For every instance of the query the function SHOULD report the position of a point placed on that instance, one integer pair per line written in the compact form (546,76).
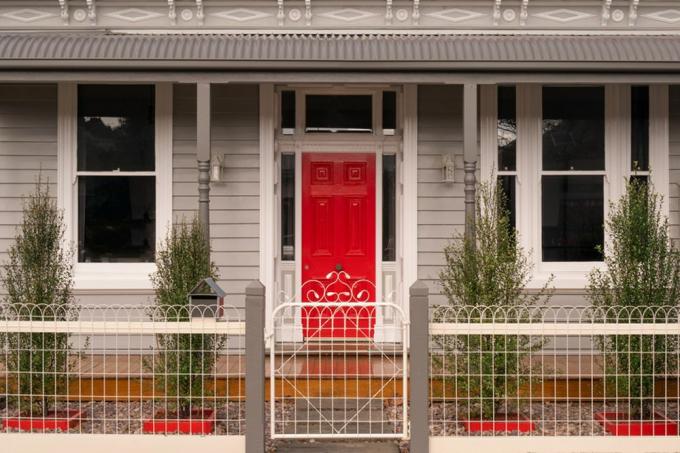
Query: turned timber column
(470,153)
(203,156)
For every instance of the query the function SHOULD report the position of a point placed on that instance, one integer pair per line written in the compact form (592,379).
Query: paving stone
(338,447)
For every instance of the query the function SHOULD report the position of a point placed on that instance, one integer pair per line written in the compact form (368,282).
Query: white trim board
(131,443)
(557,444)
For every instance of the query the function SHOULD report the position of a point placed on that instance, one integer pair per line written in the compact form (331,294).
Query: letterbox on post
(206,300)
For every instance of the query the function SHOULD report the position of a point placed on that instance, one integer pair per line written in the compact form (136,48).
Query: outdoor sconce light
(448,168)
(216,167)
(206,300)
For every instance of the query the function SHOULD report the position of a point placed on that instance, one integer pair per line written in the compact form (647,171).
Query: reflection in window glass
(288,207)
(389,219)
(339,113)
(572,218)
(116,128)
(507,129)
(573,128)
(507,185)
(116,218)
(639,140)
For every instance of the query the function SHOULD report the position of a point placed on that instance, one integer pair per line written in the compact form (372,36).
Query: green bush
(640,283)
(182,361)
(484,279)
(38,278)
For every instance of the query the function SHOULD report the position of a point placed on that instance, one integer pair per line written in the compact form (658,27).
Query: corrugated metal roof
(425,51)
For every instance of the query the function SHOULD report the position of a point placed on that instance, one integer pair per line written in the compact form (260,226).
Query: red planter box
(504,423)
(202,421)
(620,424)
(53,421)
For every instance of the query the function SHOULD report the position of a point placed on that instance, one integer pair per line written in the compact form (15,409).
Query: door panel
(338,242)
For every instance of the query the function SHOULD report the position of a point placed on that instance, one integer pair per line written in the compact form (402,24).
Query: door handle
(338,267)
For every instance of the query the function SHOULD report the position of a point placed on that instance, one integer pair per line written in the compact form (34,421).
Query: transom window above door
(562,154)
(361,112)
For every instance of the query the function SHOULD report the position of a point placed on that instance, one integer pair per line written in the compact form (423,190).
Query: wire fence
(122,370)
(554,371)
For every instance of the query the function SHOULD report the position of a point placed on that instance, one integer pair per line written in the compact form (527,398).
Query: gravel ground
(552,419)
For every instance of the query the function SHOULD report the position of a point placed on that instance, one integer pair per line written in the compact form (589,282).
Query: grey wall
(440,205)
(234,203)
(28,146)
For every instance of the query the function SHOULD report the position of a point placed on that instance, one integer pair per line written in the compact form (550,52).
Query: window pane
(389,215)
(288,111)
(389,110)
(507,129)
(641,179)
(288,207)
(639,140)
(573,128)
(116,218)
(339,113)
(508,186)
(116,128)
(573,218)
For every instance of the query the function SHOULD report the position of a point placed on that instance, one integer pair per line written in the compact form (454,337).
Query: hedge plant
(484,280)
(38,280)
(182,361)
(639,283)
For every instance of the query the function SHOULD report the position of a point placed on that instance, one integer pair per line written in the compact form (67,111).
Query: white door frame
(280,276)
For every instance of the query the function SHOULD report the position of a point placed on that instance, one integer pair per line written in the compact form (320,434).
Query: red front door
(338,243)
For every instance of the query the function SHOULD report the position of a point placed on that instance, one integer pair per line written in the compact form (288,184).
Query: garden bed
(552,419)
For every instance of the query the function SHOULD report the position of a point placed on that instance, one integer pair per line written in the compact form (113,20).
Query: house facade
(325,136)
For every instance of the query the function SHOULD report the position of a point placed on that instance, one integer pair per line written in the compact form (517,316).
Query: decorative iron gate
(337,369)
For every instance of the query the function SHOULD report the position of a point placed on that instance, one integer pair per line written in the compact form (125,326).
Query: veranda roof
(316,51)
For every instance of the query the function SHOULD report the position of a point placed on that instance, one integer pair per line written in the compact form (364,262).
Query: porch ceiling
(97,50)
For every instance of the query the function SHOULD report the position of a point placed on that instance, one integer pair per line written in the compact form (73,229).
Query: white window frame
(571,275)
(112,276)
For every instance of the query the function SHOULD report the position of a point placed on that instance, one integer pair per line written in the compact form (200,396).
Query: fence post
(255,421)
(419,367)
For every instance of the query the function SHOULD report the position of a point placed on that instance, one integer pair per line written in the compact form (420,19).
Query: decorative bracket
(416,11)
(281,13)
(606,11)
(91,11)
(200,15)
(63,6)
(308,12)
(172,13)
(633,12)
(388,12)
(524,13)
(497,12)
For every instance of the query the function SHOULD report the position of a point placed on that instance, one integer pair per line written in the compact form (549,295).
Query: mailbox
(206,300)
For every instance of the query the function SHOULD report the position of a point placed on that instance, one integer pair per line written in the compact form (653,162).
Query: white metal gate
(349,384)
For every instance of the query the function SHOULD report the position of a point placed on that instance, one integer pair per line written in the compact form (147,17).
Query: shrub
(484,279)
(38,280)
(639,284)
(182,361)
